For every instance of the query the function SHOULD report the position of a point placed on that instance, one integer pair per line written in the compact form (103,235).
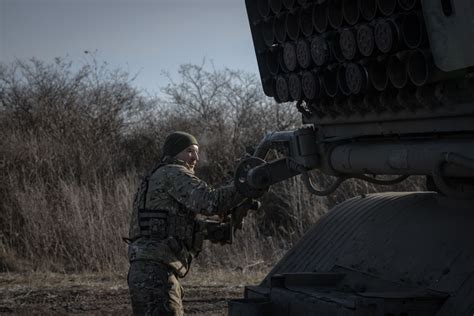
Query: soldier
(164,235)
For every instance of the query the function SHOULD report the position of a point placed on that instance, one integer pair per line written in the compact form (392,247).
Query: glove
(241,211)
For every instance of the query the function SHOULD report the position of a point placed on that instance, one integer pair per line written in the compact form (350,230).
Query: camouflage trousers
(154,289)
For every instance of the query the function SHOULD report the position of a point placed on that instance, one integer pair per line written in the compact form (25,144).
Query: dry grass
(81,226)
(116,281)
(50,280)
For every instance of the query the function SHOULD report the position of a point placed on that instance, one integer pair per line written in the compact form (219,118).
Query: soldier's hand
(241,211)
(254,204)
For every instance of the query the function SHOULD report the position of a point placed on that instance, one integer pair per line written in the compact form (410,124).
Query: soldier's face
(190,156)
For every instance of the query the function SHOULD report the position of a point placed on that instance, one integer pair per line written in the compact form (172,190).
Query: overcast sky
(139,36)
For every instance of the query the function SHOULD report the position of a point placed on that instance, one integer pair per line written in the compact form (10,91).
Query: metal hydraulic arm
(449,161)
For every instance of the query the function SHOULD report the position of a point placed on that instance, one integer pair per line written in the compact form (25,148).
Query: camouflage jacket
(174,188)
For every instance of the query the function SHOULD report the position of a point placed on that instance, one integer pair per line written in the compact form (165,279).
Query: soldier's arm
(200,197)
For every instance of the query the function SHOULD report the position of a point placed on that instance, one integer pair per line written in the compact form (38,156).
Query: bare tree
(227,110)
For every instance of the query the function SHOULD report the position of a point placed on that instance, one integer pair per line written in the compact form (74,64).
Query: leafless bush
(227,111)
(65,173)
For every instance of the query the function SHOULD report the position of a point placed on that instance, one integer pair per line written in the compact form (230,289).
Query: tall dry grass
(66,177)
(80,226)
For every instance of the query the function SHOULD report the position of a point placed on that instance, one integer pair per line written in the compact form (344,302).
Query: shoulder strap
(143,188)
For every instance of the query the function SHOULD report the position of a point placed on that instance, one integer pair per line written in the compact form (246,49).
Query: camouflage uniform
(163,238)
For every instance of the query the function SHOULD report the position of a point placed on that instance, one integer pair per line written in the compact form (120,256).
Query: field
(90,294)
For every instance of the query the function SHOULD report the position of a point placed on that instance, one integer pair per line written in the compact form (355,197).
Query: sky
(143,37)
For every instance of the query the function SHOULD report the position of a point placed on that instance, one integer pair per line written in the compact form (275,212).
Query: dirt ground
(91,294)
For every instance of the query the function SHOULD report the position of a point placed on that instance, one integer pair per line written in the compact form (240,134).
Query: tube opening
(350,11)
(368,9)
(336,48)
(342,82)
(292,26)
(408,5)
(397,72)
(412,30)
(267,33)
(279,29)
(319,50)
(289,4)
(348,43)
(378,75)
(387,7)
(303,53)
(320,18)
(330,82)
(418,68)
(311,85)
(271,63)
(289,56)
(356,77)
(263,8)
(306,22)
(365,40)
(275,6)
(281,87)
(335,17)
(294,85)
(385,35)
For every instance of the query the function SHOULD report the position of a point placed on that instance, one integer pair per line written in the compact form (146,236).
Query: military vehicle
(385,91)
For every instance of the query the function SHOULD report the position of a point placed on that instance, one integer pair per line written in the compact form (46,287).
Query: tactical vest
(161,224)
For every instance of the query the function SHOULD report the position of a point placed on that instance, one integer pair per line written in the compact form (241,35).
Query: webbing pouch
(153,223)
